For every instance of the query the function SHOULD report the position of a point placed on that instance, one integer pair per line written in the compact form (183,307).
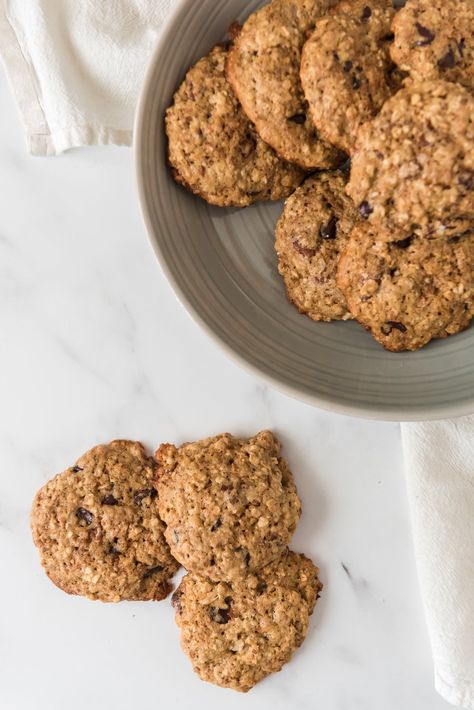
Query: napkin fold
(439,458)
(76,67)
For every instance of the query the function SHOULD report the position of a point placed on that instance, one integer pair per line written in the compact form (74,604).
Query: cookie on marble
(97,527)
(413,167)
(411,291)
(314,227)
(346,70)
(230,505)
(236,633)
(214,150)
(263,69)
(434,39)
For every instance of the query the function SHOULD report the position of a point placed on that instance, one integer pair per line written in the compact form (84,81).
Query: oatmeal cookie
(214,150)
(314,227)
(410,291)
(346,70)
(97,527)
(230,505)
(236,633)
(434,39)
(263,68)
(413,167)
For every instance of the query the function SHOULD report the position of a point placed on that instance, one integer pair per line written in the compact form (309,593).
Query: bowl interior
(223,267)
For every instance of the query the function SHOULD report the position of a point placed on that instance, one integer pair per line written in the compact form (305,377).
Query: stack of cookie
(307,84)
(116,525)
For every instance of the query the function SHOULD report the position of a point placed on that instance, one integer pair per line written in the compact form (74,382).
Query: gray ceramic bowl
(222,265)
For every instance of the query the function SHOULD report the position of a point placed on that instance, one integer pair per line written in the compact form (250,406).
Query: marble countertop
(94,345)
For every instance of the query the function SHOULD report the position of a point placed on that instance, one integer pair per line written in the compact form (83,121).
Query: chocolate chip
(304,251)
(457,237)
(176,601)
(347,66)
(76,469)
(365,209)
(404,243)
(84,515)
(112,550)
(220,616)
(329,230)
(153,570)
(261,587)
(145,493)
(398,4)
(389,37)
(245,553)
(393,325)
(366,13)
(462,47)
(299,118)
(216,525)
(356,82)
(228,600)
(346,167)
(448,61)
(427,35)
(109,499)
(466,178)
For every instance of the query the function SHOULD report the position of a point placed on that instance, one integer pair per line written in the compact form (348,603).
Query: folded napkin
(76,67)
(439,460)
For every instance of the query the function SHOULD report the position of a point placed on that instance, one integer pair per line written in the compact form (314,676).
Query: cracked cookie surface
(263,68)
(230,505)
(411,291)
(97,527)
(236,633)
(214,150)
(313,229)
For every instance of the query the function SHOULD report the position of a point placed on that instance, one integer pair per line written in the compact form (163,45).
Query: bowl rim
(325,402)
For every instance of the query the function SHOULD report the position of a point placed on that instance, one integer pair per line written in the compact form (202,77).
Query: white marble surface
(94,345)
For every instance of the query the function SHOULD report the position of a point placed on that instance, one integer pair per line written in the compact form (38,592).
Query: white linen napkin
(439,459)
(76,67)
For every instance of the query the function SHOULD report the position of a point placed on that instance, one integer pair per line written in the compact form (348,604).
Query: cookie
(230,505)
(263,68)
(411,291)
(214,150)
(97,527)
(413,166)
(434,39)
(346,70)
(236,633)
(314,227)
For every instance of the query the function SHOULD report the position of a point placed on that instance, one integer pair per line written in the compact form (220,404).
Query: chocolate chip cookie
(97,527)
(434,39)
(263,68)
(214,150)
(314,227)
(410,291)
(346,70)
(414,163)
(236,633)
(230,505)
